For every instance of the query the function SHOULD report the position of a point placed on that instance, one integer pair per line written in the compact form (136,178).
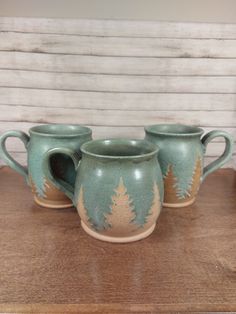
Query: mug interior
(60,130)
(174,129)
(119,148)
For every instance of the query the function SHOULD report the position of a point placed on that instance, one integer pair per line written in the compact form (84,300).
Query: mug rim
(188,130)
(112,141)
(53,130)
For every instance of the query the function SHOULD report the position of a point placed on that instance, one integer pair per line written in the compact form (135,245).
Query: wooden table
(49,264)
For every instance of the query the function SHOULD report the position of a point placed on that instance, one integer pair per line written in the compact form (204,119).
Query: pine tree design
(81,207)
(122,215)
(170,182)
(52,193)
(155,208)
(38,191)
(32,185)
(49,191)
(192,181)
(196,177)
(96,219)
(38,185)
(172,185)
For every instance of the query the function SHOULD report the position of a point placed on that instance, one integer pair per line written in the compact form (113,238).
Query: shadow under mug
(41,139)
(181,157)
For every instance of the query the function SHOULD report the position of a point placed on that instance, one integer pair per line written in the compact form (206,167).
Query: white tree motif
(122,214)
(155,208)
(81,208)
(95,218)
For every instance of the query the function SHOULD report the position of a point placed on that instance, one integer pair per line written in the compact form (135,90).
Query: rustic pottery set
(117,185)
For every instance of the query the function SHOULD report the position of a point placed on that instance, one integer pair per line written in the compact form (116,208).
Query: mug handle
(9,160)
(227,154)
(62,185)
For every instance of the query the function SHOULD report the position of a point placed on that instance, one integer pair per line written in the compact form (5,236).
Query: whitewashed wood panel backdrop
(117,76)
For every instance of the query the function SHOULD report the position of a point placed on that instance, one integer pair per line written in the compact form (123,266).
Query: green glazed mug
(41,139)
(119,189)
(181,155)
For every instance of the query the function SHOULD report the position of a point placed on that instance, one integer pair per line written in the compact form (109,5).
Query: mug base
(105,238)
(178,205)
(52,204)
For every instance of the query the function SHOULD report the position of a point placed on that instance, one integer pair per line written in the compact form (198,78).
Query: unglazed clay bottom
(105,238)
(52,204)
(179,205)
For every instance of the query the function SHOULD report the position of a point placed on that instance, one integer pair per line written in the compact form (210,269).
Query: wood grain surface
(118,46)
(118,28)
(48,264)
(117,76)
(119,65)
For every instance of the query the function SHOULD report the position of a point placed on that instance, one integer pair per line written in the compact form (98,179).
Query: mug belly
(119,224)
(119,208)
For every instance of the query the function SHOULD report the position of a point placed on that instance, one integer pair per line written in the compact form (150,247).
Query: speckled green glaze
(181,158)
(41,139)
(119,188)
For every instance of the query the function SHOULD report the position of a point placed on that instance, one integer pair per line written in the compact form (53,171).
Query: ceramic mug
(41,139)
(181,155)
(119,188)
